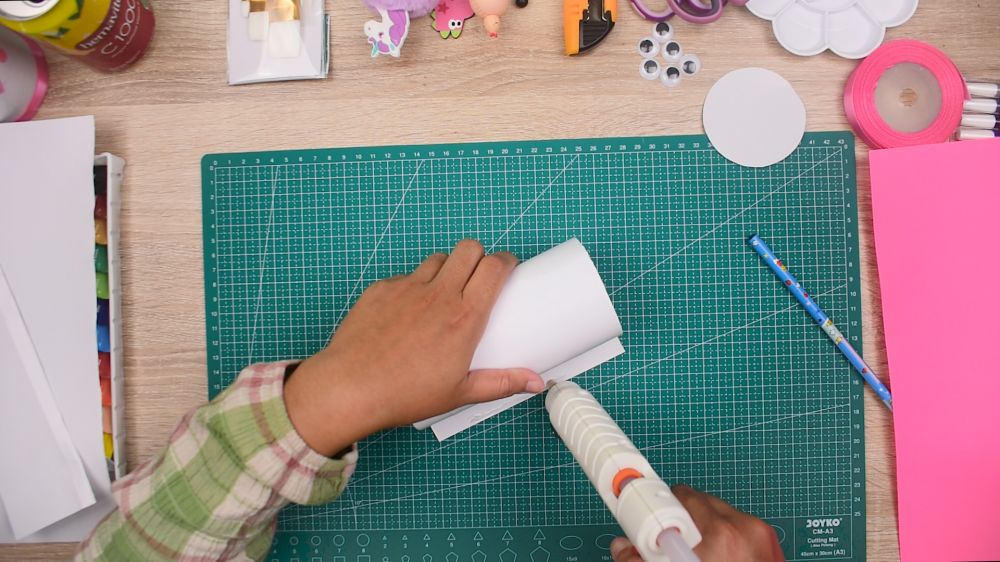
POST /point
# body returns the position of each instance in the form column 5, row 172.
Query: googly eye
column 690, row 64
column 663, row 31
column 648, row 47
column 671, row 76
column 672, row 51
column 649, row 69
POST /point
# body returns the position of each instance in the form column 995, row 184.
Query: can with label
column 105, row 34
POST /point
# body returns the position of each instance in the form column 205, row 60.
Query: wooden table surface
column 173, row 106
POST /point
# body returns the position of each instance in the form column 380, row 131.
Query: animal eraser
column 450, row 16
column 387, row 34
column 490, row 11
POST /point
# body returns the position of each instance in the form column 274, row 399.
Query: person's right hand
column 727, row 535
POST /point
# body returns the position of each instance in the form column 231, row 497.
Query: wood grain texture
column 174, row 106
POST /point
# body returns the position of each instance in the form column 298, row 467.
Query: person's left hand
column 403, row 352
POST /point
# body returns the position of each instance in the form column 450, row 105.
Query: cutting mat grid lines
column 725, row 384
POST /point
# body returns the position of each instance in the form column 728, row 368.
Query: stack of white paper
column 554, row 316
column 54, row 482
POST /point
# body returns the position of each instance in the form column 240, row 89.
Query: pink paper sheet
column 937, row 238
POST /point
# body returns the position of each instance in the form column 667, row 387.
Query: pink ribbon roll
column 24, row 76
column 905, row 93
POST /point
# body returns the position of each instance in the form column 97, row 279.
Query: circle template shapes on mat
column 754, row 117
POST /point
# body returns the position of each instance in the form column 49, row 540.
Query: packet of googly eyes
column 273, row 40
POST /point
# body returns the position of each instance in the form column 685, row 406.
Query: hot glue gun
column 654, row 520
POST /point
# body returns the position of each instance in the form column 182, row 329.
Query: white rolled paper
column 554, row 316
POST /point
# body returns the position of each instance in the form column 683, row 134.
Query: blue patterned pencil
column 792, row 284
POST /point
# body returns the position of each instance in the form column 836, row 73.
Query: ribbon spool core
column 908, row 97
column 906, row 93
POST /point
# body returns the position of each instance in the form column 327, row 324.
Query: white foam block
column 249, row 51
column 753, row 117
column 257, row 26
column 284, row 39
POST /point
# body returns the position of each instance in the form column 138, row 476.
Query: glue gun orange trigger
column 587, row 22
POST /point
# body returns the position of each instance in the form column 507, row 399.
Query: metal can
column 106, row 34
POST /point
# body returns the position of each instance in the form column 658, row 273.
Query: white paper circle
column 754, row 117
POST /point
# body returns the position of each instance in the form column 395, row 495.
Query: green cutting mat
column 726, row 384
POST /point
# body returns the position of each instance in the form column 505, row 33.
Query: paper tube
column 555, row 317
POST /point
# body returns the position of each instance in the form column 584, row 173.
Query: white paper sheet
column 74, row 528
column 555, row 317
column 453, row 424
column 46, row 248
column 39, row 454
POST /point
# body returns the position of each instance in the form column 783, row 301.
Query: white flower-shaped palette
column 849, row 28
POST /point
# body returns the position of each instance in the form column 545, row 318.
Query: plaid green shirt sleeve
column 216, row 489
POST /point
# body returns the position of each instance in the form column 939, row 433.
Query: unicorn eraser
column 387, row 34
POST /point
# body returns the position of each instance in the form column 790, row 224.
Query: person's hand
column 403, row 353
column 727, row 535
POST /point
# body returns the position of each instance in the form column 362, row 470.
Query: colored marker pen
column 984, row 90
column 976, row 134
column 984, row 106
column 979, row 121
